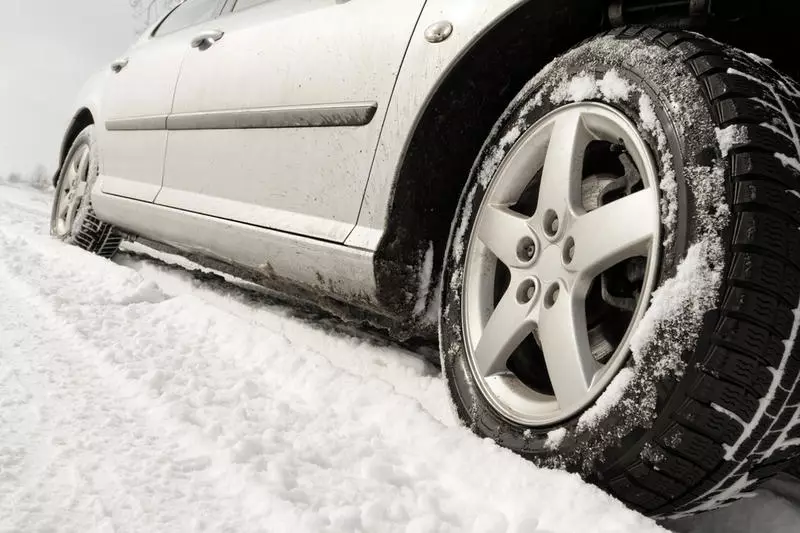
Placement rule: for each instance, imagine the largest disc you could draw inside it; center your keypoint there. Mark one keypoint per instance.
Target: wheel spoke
(81, 189)
(69, 178)
(72, 211)
(63, 206)
(563, 164)
(613, 233)
(508, 326)
(565, 342)
(83, 165)
(501, 231)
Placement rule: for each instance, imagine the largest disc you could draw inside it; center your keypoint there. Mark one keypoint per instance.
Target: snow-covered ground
(139, 395)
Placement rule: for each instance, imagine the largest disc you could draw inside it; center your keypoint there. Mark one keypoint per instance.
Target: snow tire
(714, 407)
(87, 232)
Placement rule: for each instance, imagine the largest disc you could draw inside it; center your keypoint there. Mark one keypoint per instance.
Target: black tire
(713, 407)
(88, 232)
(794, 469)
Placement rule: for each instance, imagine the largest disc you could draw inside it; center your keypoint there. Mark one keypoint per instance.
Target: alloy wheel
(72, 191)
(561, 264)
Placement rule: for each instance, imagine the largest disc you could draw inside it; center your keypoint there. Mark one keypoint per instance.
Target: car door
(276, 122)
(138, 99)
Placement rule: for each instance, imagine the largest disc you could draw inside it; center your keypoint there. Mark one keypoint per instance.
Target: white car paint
(278, 198)
(133, 161)
(424, 69)
(307, 181)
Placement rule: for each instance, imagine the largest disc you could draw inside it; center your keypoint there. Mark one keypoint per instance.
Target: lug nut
(526, 291)
(531, 292)
(569, 251)
(526, 249)
(551, 223)
(552, 296)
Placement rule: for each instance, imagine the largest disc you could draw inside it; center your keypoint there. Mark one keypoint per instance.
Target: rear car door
(138, 99)
(276, 121)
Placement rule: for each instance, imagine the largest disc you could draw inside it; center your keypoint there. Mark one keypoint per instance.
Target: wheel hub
(585, 224)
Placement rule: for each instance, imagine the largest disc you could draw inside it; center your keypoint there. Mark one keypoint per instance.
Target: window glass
(245, 4)
(187, 14)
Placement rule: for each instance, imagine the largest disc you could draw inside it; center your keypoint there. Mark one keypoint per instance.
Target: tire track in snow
(166, 412)
(94, 461)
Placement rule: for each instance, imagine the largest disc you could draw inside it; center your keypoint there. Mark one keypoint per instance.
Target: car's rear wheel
(72, 219)
(623, 275)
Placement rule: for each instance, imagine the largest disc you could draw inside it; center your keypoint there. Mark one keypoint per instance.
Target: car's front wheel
(72, 219)
(622, 281)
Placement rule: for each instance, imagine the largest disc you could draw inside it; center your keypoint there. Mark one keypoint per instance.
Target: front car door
(138, 99)
(276, 123)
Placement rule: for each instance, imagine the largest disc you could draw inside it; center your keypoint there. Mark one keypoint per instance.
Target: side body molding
(314, 116)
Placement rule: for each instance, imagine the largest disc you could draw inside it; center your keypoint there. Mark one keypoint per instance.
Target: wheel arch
(452, 128)
(82, 119)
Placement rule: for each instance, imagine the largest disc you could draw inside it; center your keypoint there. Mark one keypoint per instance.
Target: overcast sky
(48, 48)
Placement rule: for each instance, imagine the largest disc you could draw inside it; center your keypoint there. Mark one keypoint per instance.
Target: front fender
(87, 111)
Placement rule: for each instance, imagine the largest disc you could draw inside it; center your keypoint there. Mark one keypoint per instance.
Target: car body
(308, 203)
(319, 144)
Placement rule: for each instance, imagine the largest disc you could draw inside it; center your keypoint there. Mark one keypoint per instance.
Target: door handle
(119, 64)
(207, 38)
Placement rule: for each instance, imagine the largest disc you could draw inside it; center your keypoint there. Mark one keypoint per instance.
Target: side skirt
(322, 269)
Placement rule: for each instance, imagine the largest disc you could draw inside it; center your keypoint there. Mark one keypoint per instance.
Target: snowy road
(139, 396)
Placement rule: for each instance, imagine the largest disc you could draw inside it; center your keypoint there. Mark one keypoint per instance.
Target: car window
(245, 4)
(187, 14)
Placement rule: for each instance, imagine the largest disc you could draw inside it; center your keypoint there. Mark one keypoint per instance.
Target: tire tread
(736, 360)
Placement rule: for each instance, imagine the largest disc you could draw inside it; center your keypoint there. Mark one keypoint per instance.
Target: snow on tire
(707, 401)
(72, 218)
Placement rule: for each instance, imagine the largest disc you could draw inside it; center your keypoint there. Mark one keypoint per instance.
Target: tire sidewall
(687, 141)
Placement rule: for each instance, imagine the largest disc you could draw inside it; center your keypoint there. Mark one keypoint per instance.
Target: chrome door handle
(205, 39)
(119, 64)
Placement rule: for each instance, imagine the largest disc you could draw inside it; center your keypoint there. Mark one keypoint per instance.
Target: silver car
(603, 237)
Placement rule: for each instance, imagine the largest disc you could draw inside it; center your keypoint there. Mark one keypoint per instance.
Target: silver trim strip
(320, 116)
(155, 122)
